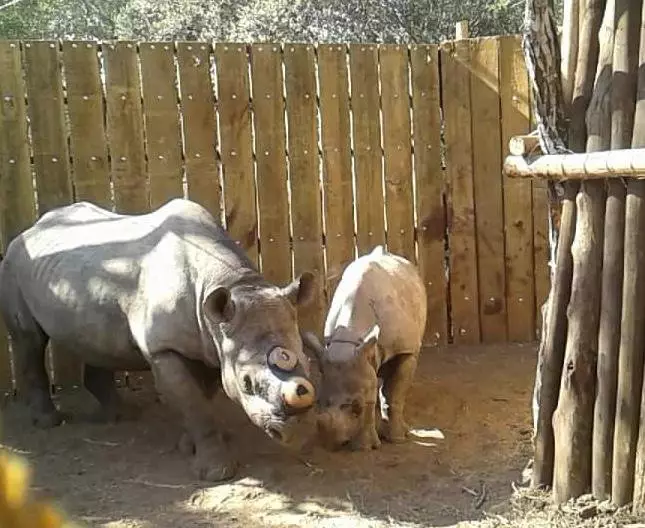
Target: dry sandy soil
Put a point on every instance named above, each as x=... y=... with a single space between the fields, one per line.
x=470 y=407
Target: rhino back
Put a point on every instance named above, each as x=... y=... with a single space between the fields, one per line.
x=97 y=280
x=383 y=288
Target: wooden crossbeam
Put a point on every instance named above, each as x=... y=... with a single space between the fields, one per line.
x=623 y=163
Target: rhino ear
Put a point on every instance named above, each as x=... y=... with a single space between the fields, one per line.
x=219 y=306
x=310 y=341
x=302 y=290
x=369 y=339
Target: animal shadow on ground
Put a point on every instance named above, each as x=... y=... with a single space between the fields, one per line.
x=470 y=408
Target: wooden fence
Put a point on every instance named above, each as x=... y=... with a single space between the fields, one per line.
x=309 y=155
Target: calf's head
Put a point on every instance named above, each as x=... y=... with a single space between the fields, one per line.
x=349 y=383
x=263 y=365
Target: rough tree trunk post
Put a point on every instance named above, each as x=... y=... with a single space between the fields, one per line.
x=636 y=214
x=573 y=417
x=599 y=139
x=542 y=57
x=630 y=358
x=569 y=48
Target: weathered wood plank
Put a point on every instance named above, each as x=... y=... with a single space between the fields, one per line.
x=368 y=156
x=270 y=145
x=199 y=125
x=125 y=127
x=88 y=141
x=455 y=59
x=17 y=203
x=237 y=145
x=487 y=159
x=430 y=187
x=395 y=104
x=518 y=217
x=304 y=164
x=336 y=158
x=163 y=133
x=51 y=157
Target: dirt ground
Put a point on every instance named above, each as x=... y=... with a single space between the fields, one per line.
x=470 y=408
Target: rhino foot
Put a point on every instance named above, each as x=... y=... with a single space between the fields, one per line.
x=394 y=433
x=47 y=420
x=365 y=442
x=208 y=469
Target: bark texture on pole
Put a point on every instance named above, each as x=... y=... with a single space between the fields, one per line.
x=598 y=139
x=636 y=214
x=542 y=57
x=630 y=360
x=569 y=49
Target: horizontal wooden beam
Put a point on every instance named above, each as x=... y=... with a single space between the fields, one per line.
x=624 y=163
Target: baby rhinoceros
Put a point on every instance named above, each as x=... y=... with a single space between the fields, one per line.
x=374 y=329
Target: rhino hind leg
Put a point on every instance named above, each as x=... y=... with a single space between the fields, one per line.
x=29 y=345
x=213 y=458
x=394 y=390
x=101 y=384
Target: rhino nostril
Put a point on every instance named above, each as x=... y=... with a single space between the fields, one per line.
x=302 y=390
x=274 y=433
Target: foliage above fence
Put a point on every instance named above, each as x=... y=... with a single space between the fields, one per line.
x=309 y=155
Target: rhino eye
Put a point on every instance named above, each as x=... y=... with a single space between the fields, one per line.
x=248 y=384
x=354 y=408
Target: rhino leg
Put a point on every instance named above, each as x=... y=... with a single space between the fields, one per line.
x=394 y=390
x=175 y=379
x=29 y=345
x=100 y=382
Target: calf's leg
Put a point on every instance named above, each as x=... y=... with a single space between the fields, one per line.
x=393 y=393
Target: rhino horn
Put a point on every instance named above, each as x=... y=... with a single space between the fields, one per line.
x=298 y=393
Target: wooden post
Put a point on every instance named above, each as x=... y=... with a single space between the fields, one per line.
x=630 y=359
x=461 y=30
x=636 y=214
x=569 y=48
x=598 y=139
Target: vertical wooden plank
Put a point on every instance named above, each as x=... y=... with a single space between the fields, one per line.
x=17 y=198
x=395 y=103
x=487 y=175
x=51 y=156
x=368 y=156
x=125 y=127
x=518 y=216
x=163 y=133
x=430 y=188
x=87 y=133
x=336 y=158
x=304 y=166
x=455 y=79
x=237 y=145
x=199 y=125
x=270 y=147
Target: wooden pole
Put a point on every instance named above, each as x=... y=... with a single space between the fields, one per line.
x=573 y=417
x=461 y=30
x=630 y=358
x=569 y=49
x=636 y=214
x=585 y=166
x=542 y=57
x=585 y=72
x=599 y=139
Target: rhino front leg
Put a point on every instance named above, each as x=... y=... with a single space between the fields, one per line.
x=213 y=459
x=393 y=395
x=29 y=347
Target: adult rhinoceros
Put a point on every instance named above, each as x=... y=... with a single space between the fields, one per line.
x=168 y=291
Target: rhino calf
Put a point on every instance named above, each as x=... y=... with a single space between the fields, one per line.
x=168 y=291
x=374 y=329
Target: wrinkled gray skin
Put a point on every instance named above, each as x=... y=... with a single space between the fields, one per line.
x=374 y=330
x=167 y=291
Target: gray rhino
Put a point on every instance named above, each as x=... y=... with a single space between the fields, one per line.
x=374 y=330
x=168 y=291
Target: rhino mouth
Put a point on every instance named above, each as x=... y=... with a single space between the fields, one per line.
x=274 y=433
